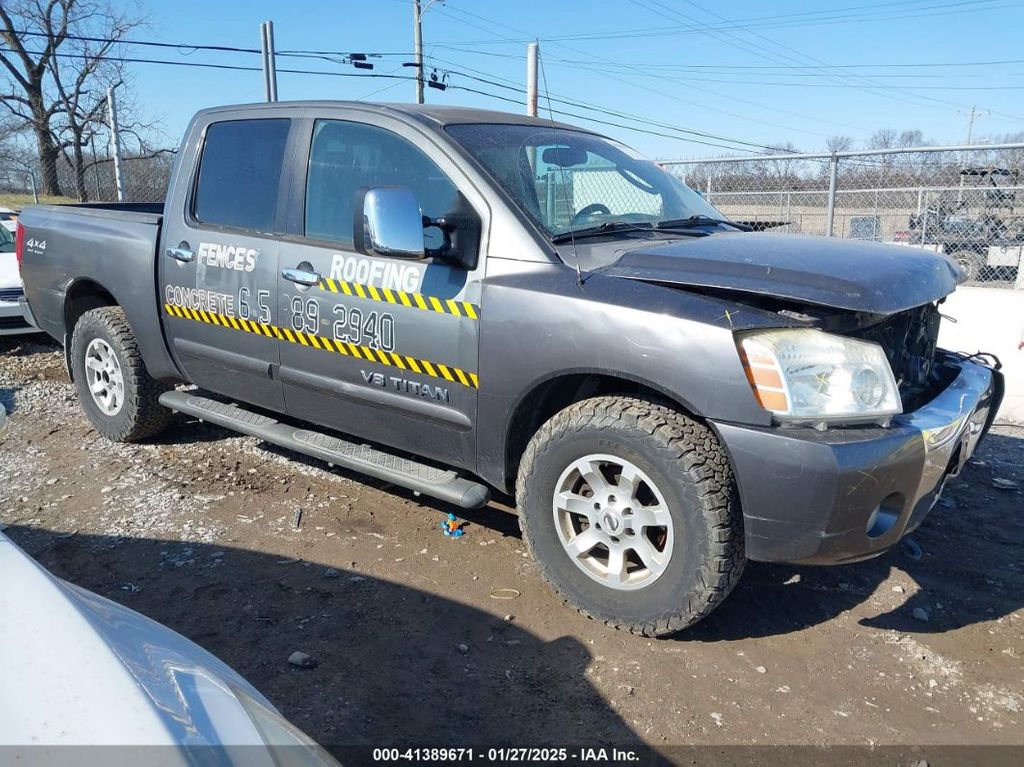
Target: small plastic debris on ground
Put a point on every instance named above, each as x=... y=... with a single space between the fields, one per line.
x=899 y=589
x=509 y=618
x=506 y=594
x=1004 y=484
x=911 y=549
x=761 y=670
x=463 y=648
x=920 y=614
x=131 y=588
x=451 y=527
x=302 y=660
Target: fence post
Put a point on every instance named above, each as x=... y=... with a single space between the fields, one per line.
x=707 y=194
x=1019 y=284
x=115 y=144
x=833 y=177
x=32 y=182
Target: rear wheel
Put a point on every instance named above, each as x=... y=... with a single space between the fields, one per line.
x=630 y=510
x=115 y=389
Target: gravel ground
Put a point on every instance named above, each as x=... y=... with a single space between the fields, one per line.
x=255 y=553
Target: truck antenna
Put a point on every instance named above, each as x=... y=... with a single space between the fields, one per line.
x=561 y=170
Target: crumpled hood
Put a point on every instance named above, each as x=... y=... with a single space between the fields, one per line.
x=844 y=274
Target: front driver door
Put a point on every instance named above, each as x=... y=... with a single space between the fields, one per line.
x=381 y=348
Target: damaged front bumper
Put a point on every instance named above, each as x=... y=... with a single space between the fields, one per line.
x=845 y=494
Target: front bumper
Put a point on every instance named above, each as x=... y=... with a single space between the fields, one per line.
x=845 y=494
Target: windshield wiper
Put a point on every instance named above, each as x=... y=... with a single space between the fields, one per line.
x=608 y=227
x=682 y=223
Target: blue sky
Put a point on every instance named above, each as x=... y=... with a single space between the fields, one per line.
x=786 y=72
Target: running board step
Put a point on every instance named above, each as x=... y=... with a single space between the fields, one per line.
x=443 y=484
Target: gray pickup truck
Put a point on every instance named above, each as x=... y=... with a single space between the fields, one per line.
x=456 y=300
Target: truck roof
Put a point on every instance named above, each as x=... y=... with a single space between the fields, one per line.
x=437 y=116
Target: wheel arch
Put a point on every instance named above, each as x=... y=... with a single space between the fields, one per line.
x=81 y=296
x=544 y=398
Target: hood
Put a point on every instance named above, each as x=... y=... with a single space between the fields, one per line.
x=843 y=274
x=82 y=670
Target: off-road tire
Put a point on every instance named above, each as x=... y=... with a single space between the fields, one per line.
x=141 y=415
x=684 y=458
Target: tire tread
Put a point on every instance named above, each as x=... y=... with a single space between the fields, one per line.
x=147 y=417
x=696 y=448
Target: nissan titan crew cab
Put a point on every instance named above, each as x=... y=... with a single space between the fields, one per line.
x=456 y=300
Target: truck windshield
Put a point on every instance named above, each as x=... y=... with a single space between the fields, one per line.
x=567 y=180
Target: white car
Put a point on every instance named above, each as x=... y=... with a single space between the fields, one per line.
x=12 y=318
x=9 y=219
x=82 y=670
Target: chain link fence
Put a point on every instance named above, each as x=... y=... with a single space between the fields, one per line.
x=144 y=179
x=967 y=202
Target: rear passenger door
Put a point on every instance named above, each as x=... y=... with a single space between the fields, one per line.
x=383 y=348
x=219 y=263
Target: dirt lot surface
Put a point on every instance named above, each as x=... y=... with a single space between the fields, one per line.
x=255 y=553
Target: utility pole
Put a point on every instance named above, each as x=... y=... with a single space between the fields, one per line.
x=531 y=79
x=269 y=60
x=973 y=115
x=115 y=144
x=417 y=41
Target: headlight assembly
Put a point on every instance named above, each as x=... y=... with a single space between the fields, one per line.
x=809 y=376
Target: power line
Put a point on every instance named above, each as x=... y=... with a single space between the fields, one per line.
x=380 y=75
x=664 y=94
x=489 y=79
x=867 y=85
x=731 y=144
x=776 y=21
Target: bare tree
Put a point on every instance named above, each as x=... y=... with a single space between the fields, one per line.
x=62 y=56
x=839 y=144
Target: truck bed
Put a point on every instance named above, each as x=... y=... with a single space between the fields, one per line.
x=140 y=212
x=71 y=251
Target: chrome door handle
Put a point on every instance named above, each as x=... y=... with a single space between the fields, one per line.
x=301 y=276
x=181 y=253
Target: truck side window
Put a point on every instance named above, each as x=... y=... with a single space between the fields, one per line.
x=240 y=174
x=346 y=156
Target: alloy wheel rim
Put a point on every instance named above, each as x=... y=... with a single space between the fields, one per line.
x=613 y=522
x=104 y=377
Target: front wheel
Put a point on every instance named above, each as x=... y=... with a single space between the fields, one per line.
x=630 y=510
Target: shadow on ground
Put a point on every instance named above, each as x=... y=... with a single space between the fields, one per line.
x=390 y=667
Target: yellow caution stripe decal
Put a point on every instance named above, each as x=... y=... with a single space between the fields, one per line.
x=286 y=335
x=401 y=298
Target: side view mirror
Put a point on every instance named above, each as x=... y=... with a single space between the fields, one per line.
x=388 y=223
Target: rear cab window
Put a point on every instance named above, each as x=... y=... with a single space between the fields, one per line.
x=239 y=178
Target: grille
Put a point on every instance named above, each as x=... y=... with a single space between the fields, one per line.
x=11 y=294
